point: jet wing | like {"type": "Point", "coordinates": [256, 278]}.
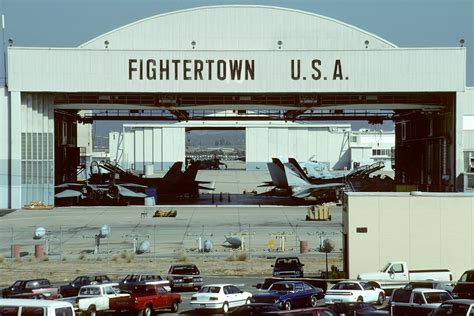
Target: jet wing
{"type": "Point", "coordinates": [68, 194]}
{"type": "Point", "coordinates": [67, 185]}
{"type": "Point", "coordinates": [129, 193]}
{"type": "Point", "coordinates": [312, 190]}
{"type": "Point", "coordinates": [133, 185]}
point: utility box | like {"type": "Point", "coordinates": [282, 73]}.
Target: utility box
{"type": "Point", "coordinates": [318, 213]}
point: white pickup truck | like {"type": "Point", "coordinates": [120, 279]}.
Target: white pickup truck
{"type": "Point", "coordinates": [94, 298]}
{"type": "Point", "coordinates": [396, 274]}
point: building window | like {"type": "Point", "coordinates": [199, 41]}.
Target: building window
{"type": "Point", "coordinates": [404, 130]}
{"type": "Point", "coordinates": [354, 139]}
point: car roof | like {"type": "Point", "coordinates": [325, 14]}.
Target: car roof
{"type": "Point", "coordinates": [33, 302]}
{"type": "Point", "coordinates": [183, 265]}
{"type": "Point", "coordinates": [422, 289]}
{"type": "Point", "coordinates": [100, 285]}
{"type": "Point", "coordinates": [288, 282]}
{"type": "Point", "coordinates": [460, 301]}
{"type": "Point", "coordinates": [219, 284]}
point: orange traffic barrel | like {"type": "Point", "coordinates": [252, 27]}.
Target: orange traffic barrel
{"type": "Point", "coordinates": [15, 251]}
{"type": "Point", "coordinates": [304, 246]}
{"type": "Point", "coordinates": [39, 251]}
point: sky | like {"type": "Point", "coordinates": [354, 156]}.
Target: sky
{"type": "Point", "coordinates": [406, 23]}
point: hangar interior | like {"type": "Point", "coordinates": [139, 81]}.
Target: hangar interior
{"type": "Point", "coordinates": [314, 68]}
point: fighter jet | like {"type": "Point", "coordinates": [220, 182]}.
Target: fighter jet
{"type": "Point", "coordinates": [96, 194]}
{"type": "Point", "coordinates": [174, 183]}
{"type": "Point", "coordinates": [303, 189]}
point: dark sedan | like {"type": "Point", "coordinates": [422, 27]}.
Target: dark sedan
{"type": "Point", "coordinates": [290, 294]}
{"type": "Point", "coordinates": [254, 309]}
{"type": "Point", "coordinates": [73, 287]}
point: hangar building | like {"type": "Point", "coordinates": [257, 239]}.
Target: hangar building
{"type": "Point", "coordinates": [211, 58]}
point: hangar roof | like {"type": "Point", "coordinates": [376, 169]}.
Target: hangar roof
{"type": "Point", "coordinates": [238, 27]}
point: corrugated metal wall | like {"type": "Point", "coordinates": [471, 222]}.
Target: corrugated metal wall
{"type": "Point", "coordinates": [5, 151]}
{"type": "Point", "coordinates": [149, 145]}
{"type": "Point", "coordinates": [328, 144]}
{"type": "Point", "coordinates": [37, 148]}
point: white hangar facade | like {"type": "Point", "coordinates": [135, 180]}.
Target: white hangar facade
{"type": "Point", "coordinates": [233, 58]}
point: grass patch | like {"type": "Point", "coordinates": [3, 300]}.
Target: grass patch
{"type": "Point", "coordinates": [181, 256]}
{"type": "Point", "coordinates": [241, 256]}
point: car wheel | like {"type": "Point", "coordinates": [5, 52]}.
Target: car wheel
{"type": "Point", "coordinates": [381, 299]}
{"type": "Point", "coordinates": [360, 299]}
{"type": "Point", "coordinates": [288, 305]}
{"type": "Point", "coordinates": [225, 307]}
{"type": "Point", "coordinates": [174, 307]}
{"type": "Point", "coordinates": [314, 301]}
{"type": "Point", "coordinates": [147, 311]}
{"type": "Point", "coordinates": [91, 311]}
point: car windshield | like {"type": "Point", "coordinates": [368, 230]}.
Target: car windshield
{"type": "Point", "coordinates": [437, 297]}
{"type": "Point", "coordinates": [386, 267]}
{"type": "Point", "coordinates": [346, 286]}
{"type": "Point", "coordinates": [93, 291]}
{"type": "Point", "coordinates": [281, 287]}
{"type": "Point", "coordinates": [210, 289]}
{"type": "Point", "coordinates": [184, 270]}
{"type": "Point", "coordinates": [467, 277]}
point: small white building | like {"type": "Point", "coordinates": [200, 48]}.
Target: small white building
{"type": "Point", "coordinates": [370, 146]}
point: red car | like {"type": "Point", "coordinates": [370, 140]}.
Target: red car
{"type": "Point", "coordinates": [146, 298]}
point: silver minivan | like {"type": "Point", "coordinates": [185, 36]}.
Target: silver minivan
{"type": "Point", "coordinates": [31, 307]}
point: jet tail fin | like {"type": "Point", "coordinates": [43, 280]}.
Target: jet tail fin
{"type": "Point", "coordinates": [191, 172]}
{"type": "Point", "coordinates": [277, 173]}
{"type": "Point", "coordinates": [294, 177]}
{"type": "Point", "coordinates": [298, 168]}
{"type": "Point", "coordinates": [174, 171]}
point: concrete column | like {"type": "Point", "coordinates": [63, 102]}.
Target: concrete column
{"type": "Point", "coordinates": [15, 150]}
{"type": "Point", "coordinates": [5, 152]}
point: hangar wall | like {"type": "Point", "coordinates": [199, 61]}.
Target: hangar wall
{"type": "Point", "coordinates": [37, 148]}
{"type": "Point", "coordinates": [466, 102]}
{"type": "Point", "coordinates": [139, 145]}
{"type": "Point", "coordinates": [429, 231]}
{"type": "Point", "coordinates": [329, 144]}
{"type": "Point", "coordinates": [5, 151]}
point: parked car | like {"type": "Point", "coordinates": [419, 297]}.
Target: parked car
{"type": "Point", "coordinates": [184, 276]}
{"type": "Point", "coordinates": [290, 294]}
{"type": "Point", "coordinates": [288, 267]}
{"type": "Point", "coordinates": [254, 309]}
{"type": "Point", "coordinates": [455, 308]}
{"type": "Point", "coordinates": [448, 286]}
{"type": "Point", "coordinates": [94, 298]}
{"type": "Point", "coordinates": [128, 283]}
{"type": "Point", "coordinates": [355, 291]}
{"type": "Point", "coordinates": [417, 301]}
{"type": "Point", "coordinates": [146, 298]}
{"type": "Point", "coordinates": [73, 287]}
{"type": "Point", "coordinates": [357, 308]}
{"type": "Point", "coordinates": [42, 286]}
{"type": "Point", "coordinates": [396, 274]}
{"type": "Point", "coordinates": [465, 286]}
{"type": "Point", "coordinates": [35, 307]}
{"type": "Point", "coordinates": [220, 297]}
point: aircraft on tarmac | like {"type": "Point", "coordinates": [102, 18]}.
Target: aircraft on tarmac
{"type": "Point", "coordinates": [118, 186]}
{"type": "Point", "coordinates": [174, 183]}
{"type": "Point", "coordinates": [290, 179]}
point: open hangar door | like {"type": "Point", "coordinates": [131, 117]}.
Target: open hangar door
{"type": "Point", "coordinates": [424, 122]}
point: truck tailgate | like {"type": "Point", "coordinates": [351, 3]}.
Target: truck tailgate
{"type": "Point", "coordinates": [120, 302]}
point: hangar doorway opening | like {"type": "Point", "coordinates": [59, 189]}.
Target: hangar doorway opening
{"type": "Point", "coordinates": [216, 148]}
